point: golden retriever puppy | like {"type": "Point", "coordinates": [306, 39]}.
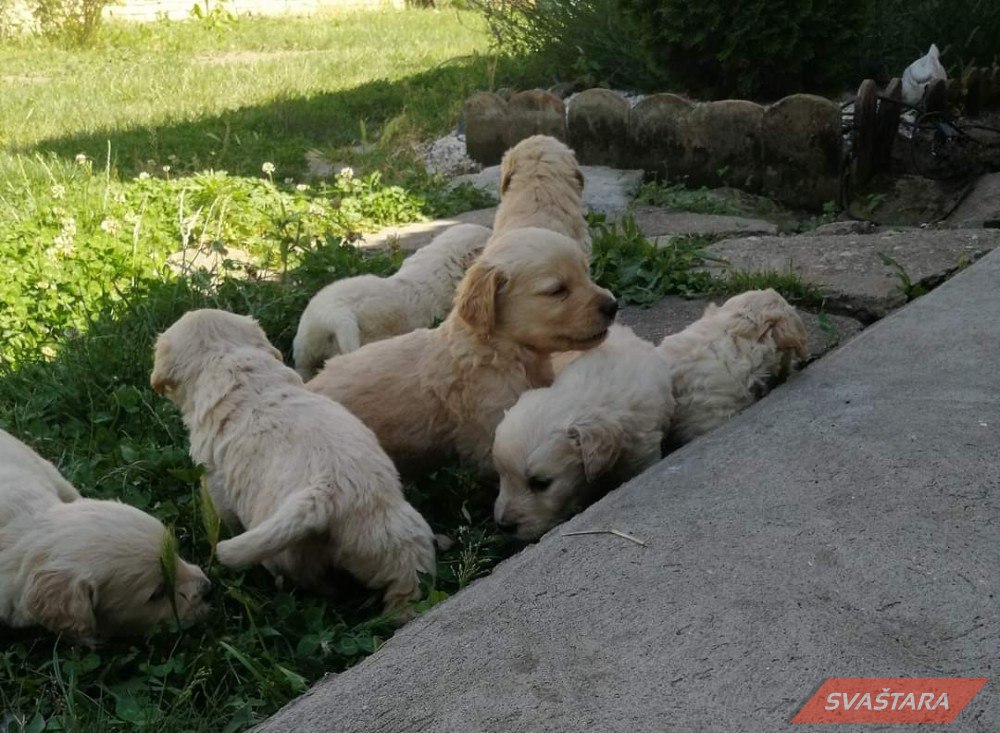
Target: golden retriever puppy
{"type": "Point", "coordinates": [303, 476]}
{"type": "Point", "coordinates": [541, 185]}
{"type": "Point", "coordinates": [84, 568]}
{"type": "Point", "coordinates": [730, 358]}
{"type": "Point", "coordinates": [439, 392]}
{"type": "Point", "coordinates": [600, 423]}
{"type": "Point", "coordinates": [358, 310]}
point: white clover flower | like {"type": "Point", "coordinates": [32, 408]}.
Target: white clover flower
{"type": "Point", "coordinates": [58, 191]}
{"type": "Point", "coordinates": [166, 169]}
{"type": "Point", "coordinates": [109, 225]}
{"type": "Point", "coordinates": [268, 168]}
{"type": "Point", "coordinates": [315, 209]}
{"type": "Point", "coordinates": [289, 181]}
{"type": "Point", "coordinates": [144, 176]}
{"type": "Point", "coordinates": [69, 226]}
{"type": "Point", "coordinates": [346, 172]}
{"type": "Point", "coordinates": [81, 158]}
{"type": "Point", "coordinates": [302, 187]}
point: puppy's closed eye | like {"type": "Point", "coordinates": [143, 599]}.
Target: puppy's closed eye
{"type": "Point", "coordinates": [158, 594]}
{"type": "Point", "coordinates": [539, 484]}
{"type": "Point", "coordinates": [558, 291]}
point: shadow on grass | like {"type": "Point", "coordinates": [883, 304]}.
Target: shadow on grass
{"type": "Point", "coordinates": [240, 140]}
{"type": "Point", "coordinates": [92, 411]}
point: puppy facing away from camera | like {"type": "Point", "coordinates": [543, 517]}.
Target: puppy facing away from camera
{"type": "Point", "coordinates": [730, 358]}
{"type": "Point", "coordinates": [600, 423]}
{"type": "Point", "coordinates": [541, 185]}
{"type": "Point", "coordinates": [85, 568]}
{"type": "Point", "coordinates": [355, 311]}
{"type": "Point", "coordinates": [304, 477]}
{"type": "Point", "coordinates": [434, 393]}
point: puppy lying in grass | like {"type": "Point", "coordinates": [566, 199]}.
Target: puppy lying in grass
{"type": "Point", "coordinates": [355, 311]}
{"type": "Point", "coordinates": [85, 568]}
{"type": "Point", "coordinates": [730, 358]}
{"type": "Point", "coordinates": [305, 477]}
{"type": "Point", "coordinates": [437, 392]}
{"type": "Point", "coordinates": [600, 423]}
{"type": "Point", "coordinates": [541, 185]}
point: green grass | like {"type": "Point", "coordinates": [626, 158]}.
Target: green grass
{"type": "Point", "coordinates": [154, 141]}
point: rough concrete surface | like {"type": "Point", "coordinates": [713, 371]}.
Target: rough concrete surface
{"type": "Point", "coordinates": [673, 314]}
{"type": "Point", "coordinates": [654, 222]}
{"type": "Point", "coordinates": [846, 525]}
{"type": "Point", "coordinates": [606, 190]}
{"type": "Point", "coordinates": [981, 207]}
{"type": "Point", "coordinates": [412, 237]}
{"type": "Point", "coordinates": [849, 270]}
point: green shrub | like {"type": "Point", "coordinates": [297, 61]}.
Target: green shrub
{"type": "Point", "coordinates": [760, 49]}
{"type": "Point", "coordinates": [898, 31]}
{"type": "Point", "coordinates": [756, 48]}
{"type": "Point", "coordinates": [593, 41]}
{"type": "Point", "coordinates": [74, 21]}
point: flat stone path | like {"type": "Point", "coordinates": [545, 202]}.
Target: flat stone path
{"type": "Point", "coordinates": [411, 237]}
{"type": "Point", "coordinates": [846, 525]}
{"type": "Point", "coordinates": [606, 190]}
{"type": "Point", "coordinates": [654, 222]}
{"type": "Point", "coordinates": [849, 269]}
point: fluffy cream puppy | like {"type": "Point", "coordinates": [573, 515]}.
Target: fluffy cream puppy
{"type": "Point", "coordinates": [305, 478]}
{"type": "Point", "coordinates": [600, 423]}
{"type": "Point", "coordinates": [730, 358]}
{"type": "Point", "coordinates": [541, 185]}
{"type": "Point", "coordinates": [85, 568]}
{"type": "Point", "coordinates": [358, 310]}
{"type": "Point", "coordinates": [438, 392]}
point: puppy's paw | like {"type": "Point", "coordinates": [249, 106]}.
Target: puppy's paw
{"type": "Point", "coordinates": [443, 542]}
{"type": "Point", "coordinates": [228, 553]}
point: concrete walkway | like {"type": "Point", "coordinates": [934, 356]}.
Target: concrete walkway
{"type": "Point", "coordinates": [845, 526]}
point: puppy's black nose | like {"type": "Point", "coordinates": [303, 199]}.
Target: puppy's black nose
{"type": "Point", "coordinates": [609, 308]}
{"type": "Point", "coordinates": [507, 525]}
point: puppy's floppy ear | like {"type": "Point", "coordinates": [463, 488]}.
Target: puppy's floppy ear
{"type": "Point", "coordinates": [506, 173]}
{"type": "Point", "coordinates": [475, 301]}
{"type": "Point", "coordinates": [600, 443]}
{"type": "Point", "coordinates": [788, 332]}
{"type": "Point", "coordinates": [160, 379]}
{"type": "Point", "coordinates": [63, 603]}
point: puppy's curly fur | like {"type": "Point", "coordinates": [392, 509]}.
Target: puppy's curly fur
{"type": "Point", "coordinates": [85, 568]}
{"type": "Point", "coordinates": [355, 311]}
{"type": "Point", "coordinates": [730, 358]}
{"type": "Point", "coordinates": [600, 423]}
{"type": "Point", "coordinates": [305, 477]}
{"type": "Point", "coordinates": [541, 185]}
{"type": "Point", "coordinates": [437, 392]}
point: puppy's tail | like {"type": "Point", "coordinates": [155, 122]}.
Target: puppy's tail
{"type": "Point", "coordinates": [303, 515]}
{"type": "Point", "coordinates": [337, 332]}
{"type": "Point", "coordinates": [344, 325]}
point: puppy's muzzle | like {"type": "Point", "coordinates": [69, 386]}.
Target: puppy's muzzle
{"type": "Point", "coordinates": [507, 525]}
{"type": "Point", "coordinates": [609, 308]}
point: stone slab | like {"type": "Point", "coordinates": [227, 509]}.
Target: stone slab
{"type": "Point", "coordinates": [411, 237]}
{"type": "Point", "coordinates": [981, 207]}
{"type": "Point", "coordinates": [846, 525]}
{"type": "Point", "coordinates": [606, 190]}
{"type": "Point", "coordinates": [673, 314]}
{"type": "Point", "coordinates": [656, 221]}
{"type": "Point", "coordinates": [849, 269]}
